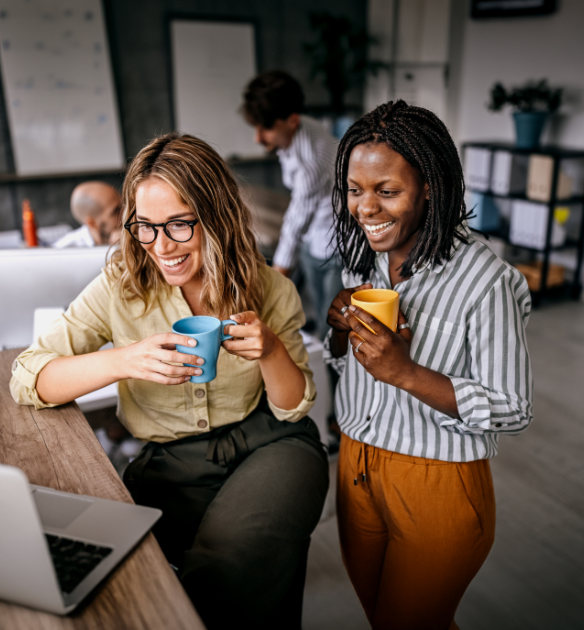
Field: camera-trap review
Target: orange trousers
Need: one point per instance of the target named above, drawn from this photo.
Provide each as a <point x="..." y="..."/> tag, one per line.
<point x="414" y="532"/>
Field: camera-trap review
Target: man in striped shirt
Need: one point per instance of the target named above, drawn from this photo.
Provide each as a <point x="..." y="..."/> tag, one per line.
<point x="273" y="103"/>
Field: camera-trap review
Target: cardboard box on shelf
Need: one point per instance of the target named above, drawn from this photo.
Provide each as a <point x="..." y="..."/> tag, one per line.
<point x="540" y="173"/>
<point x="532" y="273"/>
<point x="573" y="171"/>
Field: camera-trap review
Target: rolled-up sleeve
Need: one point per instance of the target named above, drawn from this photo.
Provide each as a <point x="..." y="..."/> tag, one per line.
<point x="83" y="328"/>
<point x="305" y="405"/>
<point x="497" y="396"/>
<point x="285" y="317"/>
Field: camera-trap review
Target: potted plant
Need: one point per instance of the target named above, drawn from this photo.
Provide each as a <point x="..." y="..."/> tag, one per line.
<point x="532" y="104"/>
<point x="339" y="56"/>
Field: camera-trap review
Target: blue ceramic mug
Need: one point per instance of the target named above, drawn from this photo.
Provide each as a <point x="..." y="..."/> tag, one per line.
<point x="208" y="331"/>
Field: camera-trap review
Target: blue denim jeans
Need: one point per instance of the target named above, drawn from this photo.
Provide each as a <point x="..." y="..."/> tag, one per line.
<point x="324" y="282"/>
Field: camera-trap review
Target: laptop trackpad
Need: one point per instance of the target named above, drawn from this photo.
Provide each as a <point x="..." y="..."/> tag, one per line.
<point x="59" y="510"/>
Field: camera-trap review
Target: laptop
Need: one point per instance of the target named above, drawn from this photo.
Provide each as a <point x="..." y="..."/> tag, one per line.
<point x="56" y="547"/>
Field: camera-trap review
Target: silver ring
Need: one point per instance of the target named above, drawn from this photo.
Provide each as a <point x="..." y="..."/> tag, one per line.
<point x="344" y="310"/>
<point x="358" y="346"/>
<point x="402" y="326"/>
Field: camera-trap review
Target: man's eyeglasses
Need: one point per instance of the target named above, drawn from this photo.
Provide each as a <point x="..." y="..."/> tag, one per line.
<point x="177" y="230"/>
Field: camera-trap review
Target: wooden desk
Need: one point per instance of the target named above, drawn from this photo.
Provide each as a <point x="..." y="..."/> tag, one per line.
<point x="57" y="448"/>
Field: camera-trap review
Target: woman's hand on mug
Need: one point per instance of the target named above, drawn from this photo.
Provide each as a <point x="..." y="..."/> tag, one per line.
<point x="336" y="319"/>
<point x="149" y="359"/>
<point x="252" y="339"/>
<point x="385" y="354"/>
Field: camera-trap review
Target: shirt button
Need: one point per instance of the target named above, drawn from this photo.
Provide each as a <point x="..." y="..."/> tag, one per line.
<point x="498" y="424"/>
<point x="14" y="365"/>
<point x="202" y="423"/>
<point x="200" y="393"/>
<point x="368" y="417"/>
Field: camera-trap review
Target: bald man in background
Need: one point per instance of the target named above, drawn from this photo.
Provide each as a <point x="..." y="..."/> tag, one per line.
<point x="96" y="206"/>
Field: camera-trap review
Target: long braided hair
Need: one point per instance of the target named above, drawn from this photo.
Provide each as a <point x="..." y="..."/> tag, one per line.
<point x="422" y="139"/>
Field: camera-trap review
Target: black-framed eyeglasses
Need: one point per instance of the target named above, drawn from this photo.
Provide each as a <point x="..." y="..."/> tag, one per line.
<point x="177" y="230"/>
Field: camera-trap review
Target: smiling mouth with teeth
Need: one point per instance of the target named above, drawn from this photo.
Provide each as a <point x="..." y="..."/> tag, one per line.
<point x="377" y="229"/>
<point x="174" y="262"/>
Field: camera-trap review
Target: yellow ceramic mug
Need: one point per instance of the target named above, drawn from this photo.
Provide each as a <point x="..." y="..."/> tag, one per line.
<point x="383" y="304"/>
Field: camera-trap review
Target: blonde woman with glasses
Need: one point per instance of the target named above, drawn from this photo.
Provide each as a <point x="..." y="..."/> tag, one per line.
<point x="234" y="464"/>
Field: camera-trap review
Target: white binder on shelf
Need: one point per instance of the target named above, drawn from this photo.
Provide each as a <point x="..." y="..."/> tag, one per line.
<point x="509" y="173"/>
<point x="529" y="226"/>
<point x="477" y="163"/>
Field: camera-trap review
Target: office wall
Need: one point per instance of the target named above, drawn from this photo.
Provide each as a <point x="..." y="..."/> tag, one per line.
<point x="413" y="35"/>
<point x="139" y="42"/>
<point x="138" y="37"/>
<point x="512" y="51"/>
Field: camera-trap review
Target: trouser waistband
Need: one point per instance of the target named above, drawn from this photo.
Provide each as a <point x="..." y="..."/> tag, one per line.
<point x="230" y="444"/>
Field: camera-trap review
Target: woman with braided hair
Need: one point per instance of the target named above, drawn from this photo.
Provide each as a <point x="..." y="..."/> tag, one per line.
<point x="420" y="409"/>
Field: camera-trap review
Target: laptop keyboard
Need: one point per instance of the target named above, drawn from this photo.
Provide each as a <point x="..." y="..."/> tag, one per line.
<point x="74" y="560"/>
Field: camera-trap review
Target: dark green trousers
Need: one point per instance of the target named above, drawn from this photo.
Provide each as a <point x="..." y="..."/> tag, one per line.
<point x="239" y="505"/>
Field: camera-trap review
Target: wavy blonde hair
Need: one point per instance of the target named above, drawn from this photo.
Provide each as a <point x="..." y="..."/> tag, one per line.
<point x="203" y="182"/>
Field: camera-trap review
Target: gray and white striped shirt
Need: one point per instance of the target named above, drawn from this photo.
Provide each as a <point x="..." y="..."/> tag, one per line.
<point x="308" y="170"/>
<point x="468" y="319"/>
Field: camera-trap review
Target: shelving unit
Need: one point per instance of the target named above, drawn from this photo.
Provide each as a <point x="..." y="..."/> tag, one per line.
<point x="571" y="289"/>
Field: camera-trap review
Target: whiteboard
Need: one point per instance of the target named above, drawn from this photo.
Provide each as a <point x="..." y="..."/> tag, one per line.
<point x="58" y="87"/>
<point x="211" y="64"/>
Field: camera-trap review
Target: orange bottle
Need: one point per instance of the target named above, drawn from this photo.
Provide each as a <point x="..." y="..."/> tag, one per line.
<point x="29" y="225"/>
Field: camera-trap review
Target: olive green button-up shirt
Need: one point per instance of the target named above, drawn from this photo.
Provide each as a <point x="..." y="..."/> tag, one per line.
<point x="152" y="411"/>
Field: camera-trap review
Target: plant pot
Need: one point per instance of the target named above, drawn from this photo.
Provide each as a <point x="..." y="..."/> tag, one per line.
<point x="528" y="128"/>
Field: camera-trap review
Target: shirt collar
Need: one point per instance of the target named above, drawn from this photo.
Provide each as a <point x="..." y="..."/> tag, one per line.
<point x="382" y="260"/>
<point x="464" y="232"/>
<point x="85" y="234"/>
<point x="291" y="150"/>
<point x="438" y="268"/>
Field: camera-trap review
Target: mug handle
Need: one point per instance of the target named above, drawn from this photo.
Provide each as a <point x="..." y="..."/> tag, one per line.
<point x="223" y="324"/>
